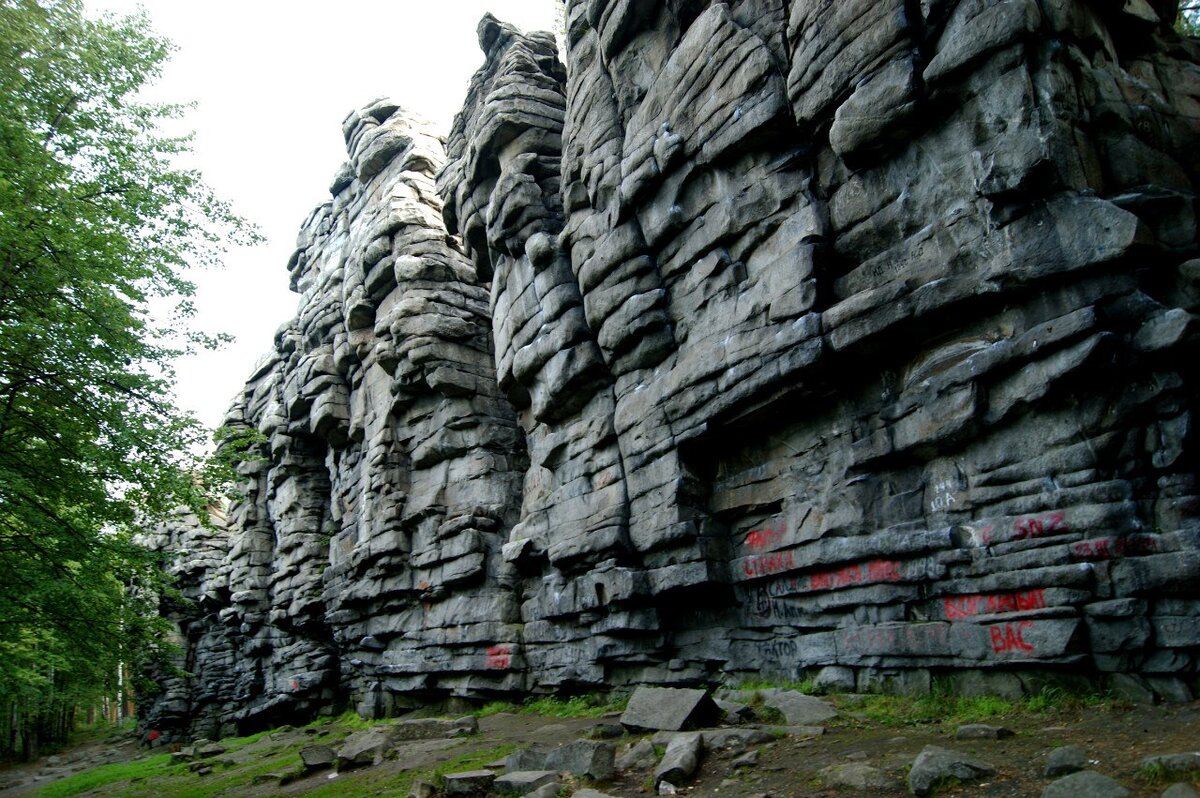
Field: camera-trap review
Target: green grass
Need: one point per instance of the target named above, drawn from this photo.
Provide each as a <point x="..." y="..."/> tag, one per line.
<point x="943" y="707"/>
<point x="152" y="767"/>
<point x="806" y="686"/>
<point x="594" y="705"/>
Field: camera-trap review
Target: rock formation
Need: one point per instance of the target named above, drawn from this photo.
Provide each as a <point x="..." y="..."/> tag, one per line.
<point x="776" y="337"/>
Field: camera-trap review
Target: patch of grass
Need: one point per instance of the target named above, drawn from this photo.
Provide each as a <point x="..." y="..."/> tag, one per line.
<point x="95" y="778"/>
<point x="1156" y="774"/>
<point x="583" y="706"/>
<point x="942" y="706"/>
<point x="472" y="761"/>
<point x="806" y="686"/>
<point x="496" y="708"/>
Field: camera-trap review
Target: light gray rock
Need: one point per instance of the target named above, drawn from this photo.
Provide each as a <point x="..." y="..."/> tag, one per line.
<point x="857" y="775"/>
<point x="1173" y="763"/>
<point x="317" y="757"/>
<point x="1180" y="790"/>
<point x="680" y="760"/>
<point x="1085" y="782"/>
<point x="935" y="765"/>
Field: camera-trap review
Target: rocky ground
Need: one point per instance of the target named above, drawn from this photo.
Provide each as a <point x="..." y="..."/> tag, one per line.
<point x="768" y="742"/>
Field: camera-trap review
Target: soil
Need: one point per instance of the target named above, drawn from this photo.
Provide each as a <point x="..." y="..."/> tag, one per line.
<point x="1116" y="739"/>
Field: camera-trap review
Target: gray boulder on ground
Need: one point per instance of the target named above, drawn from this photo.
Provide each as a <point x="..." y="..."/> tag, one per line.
<point x="1087" y="783"/>
<point x="935" y="765"/>
<point x="857" y="775"/>
<point x="592" y="758"/>
<point x="669" y="709"/>
<point x="523" y="782"/>
<point x="680" y="760"/>
<point x="1065" y="759"/>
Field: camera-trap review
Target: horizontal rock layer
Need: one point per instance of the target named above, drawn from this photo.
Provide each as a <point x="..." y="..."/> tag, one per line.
<point x="771" y="337"/>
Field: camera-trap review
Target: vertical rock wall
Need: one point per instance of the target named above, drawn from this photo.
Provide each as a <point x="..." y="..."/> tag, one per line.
<point x="780" y="338"/>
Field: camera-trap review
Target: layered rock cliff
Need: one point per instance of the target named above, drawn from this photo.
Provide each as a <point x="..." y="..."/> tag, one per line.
<point x="780" y="338"/>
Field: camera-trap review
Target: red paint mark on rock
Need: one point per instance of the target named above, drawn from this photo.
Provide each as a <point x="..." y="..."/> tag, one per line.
<point x="1009" y="637"/>
<point x="1036" y="526"/>
<point x="153" y="735"/>
<point x="768" y="564"/>
<point x="1108" y="548"/>
<point x="498" y="658"/>
<point x="987" y="603"/>
<point x="861" y="573"/>
<point x="295" y="685"/>
<point x="762" y="539"/>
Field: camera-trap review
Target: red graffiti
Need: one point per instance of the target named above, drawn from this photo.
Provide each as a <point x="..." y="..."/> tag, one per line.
<point x="761" y="539"/>
<point x="153" y="735"/>
<point x="1010" y="637"/>
<point x="982" y="603"/>
<point x="769" y="563"/>
<point x="295" y="685"/>
<point x="1040" y="525"/>
<point x="498" y="658"/>
<point x="1108" y="548"/>
<point x="986" y="534"/>
<point x="863" y="573"/>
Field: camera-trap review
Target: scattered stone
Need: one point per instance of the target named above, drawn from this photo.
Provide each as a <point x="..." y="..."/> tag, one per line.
<point x="730" y="739"/>
<point x="982" y="731"/>
<point x="667" y="788"/>
<point x="589" y="793"/>
<point x="734" y="712"/>
<point x="317" y="757"/>
<point x="746" y="760"/>
<point x="210" y="750"/>
<point x="856" y="775"/>
<point x="935" y="765"/>
<point x="422" y="789"/>
<point x="1173" y="763"/>
<point x="1065" y="759"/>
<point x="468" y="782"/>
<point x="668" y="709"/>
<point x="550" y="790"/>
<point x="366" y="747"/>
<point x="638" y="756"/>
<point x="606" y="731"/>
<point x="1131" y="687"/>
<point x="1087" y="783"/>
<point x="203" y="770"/>
<point x="523" y="782"/>
<point x="680" y="760"/>
<point x="590" y="758"/>
<point x="1181" y="790"/>
<point x="532" y="758"/>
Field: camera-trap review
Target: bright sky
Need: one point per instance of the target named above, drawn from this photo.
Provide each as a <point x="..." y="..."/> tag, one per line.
<point x="272" y="81"/>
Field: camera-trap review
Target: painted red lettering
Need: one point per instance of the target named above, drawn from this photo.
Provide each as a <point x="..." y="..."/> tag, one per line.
<point x="498" y="657"/>
<point x="760" y="539"/>
<point x="1038" y="526"/>
<point x="1010" y="637"/>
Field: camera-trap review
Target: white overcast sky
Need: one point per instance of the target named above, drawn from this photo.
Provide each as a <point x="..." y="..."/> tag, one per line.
<point x="272" y="81"/>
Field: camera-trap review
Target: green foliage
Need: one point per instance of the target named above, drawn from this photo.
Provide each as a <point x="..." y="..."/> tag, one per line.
<point x="593" y="705"/>
<point x="94" y="778"/>
<point x="942" y="706"/>
<point x="1188" y="21"/>
<point x="97" y="226"/>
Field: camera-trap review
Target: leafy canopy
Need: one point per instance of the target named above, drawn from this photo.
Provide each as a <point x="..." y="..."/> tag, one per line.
<point x="97" y="226"/>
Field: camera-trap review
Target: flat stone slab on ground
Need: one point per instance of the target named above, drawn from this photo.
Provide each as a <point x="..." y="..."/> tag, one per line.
<point x="468" y="782"/>
<point x="934" y="764"/>
<point x="1087" y="783"/>
<point x="669" y="709"/>
<point x="317" y="756"/>
<point x="1174" y="763"/>
<point x="523" y="782"/>
<point x="1180" y="790"/>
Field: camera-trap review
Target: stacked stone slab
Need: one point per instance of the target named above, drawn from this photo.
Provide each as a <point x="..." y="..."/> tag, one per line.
<point x="851" y="339"/>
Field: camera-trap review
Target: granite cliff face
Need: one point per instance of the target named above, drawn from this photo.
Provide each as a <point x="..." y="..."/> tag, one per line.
<point x="778" y="337"/>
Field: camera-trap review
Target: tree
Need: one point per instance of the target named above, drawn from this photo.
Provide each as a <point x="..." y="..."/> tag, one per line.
<point x="1188" y="21"/>
<point x="97" y="225"/>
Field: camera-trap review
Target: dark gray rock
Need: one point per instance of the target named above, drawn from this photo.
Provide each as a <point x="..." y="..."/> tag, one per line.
<point x="591" y="758"/>
<point x="982" y="731"/>
<point x="523" y="782"/>
<point x="468" y="782"/>
<point x="1181" y="790"/>
<point x="935" y="765"/>
<point x="1173" y="763"/>
<point x="1085" y="782"/>
<point x="639" y="756"/>
<point x="668" y="709"/>
<point x="317" y="757"/>
<point x="1065" y="759"/>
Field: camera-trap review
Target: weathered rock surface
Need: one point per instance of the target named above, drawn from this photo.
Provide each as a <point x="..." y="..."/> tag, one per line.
<point x="934" y="766"/>
<point x="771" y="339"/>
<point x="1064" y="760"/>
<point x="1085" y="782"/>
